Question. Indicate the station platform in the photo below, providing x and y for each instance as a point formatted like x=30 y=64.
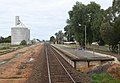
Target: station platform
x=85 y=55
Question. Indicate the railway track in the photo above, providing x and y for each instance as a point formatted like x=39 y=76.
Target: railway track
x=56 y=69
x=51 y=67
x=59 y=70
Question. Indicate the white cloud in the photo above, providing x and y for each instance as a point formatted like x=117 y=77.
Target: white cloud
x=43 y=17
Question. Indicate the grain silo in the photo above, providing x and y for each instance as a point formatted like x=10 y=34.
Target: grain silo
x=19 y=32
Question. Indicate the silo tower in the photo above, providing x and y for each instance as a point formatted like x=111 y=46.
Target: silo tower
x=19 y=32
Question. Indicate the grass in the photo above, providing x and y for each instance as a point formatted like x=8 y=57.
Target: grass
x=100 y=48
x=104 y=78
x=5 y=46
x=105 y=48
x=118 y=68
x=97 y=48
x=73 y=45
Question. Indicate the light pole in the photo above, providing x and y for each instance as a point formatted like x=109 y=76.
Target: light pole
x=93 y=46
x=69 y=36
x=76 y=48
x=119 y=48
x=85 y=34
x=85 y=37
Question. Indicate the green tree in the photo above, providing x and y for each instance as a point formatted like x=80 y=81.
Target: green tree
x=110 y=29
x=69 y=33
x=116 y=8
x=91 y=16
x=59 y=37
x=5 y=40
x=23 y=42
x=102 y=25
x=108 y=33
x=117 y=30
x=52 y=39
x=77 y=16
x=1 y=39
x=38 y=40
x=113 y=12
x=95 y=18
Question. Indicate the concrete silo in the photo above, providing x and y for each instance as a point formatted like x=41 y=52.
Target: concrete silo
x=19 y=32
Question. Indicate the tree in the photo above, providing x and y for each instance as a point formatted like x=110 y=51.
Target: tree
x=1 y=39
x=69 y=33
x=116 y=8
x=108 y=33
x=103 y=26
x=117 y=30
x=113 y=12
x=91 y=16
x=110 y=29
x=95 y=19
x=5 y=40
x=23 y=42
x=59 y=37
x=77 y=16
x=38 y=40
x=52 y=39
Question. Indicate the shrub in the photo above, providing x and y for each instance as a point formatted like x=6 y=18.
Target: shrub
x=104 y=78
x=23 y=42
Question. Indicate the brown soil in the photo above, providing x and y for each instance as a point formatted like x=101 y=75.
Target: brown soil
x=114 y=70
x=17 y=70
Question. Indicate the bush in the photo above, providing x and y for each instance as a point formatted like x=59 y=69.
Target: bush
x=104 y=78
x=4 y=48
x=23 y=42
x=119 y=59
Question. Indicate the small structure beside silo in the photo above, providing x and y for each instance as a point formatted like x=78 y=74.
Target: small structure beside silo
x=19 y=32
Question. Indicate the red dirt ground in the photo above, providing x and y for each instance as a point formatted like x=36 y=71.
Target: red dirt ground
x=114 y=70
x=18 y=69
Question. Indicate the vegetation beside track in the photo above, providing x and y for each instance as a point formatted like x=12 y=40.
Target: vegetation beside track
x=104 y=78
x=7 y=47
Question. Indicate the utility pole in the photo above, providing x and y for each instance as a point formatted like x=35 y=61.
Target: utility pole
x=119 y=48
x=85 y=34
x=85 y=37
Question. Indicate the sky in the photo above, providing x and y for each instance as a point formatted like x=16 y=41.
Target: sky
x=43 y=17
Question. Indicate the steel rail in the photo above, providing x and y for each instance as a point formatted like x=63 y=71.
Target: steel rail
x=48 y=66
x=64 y=67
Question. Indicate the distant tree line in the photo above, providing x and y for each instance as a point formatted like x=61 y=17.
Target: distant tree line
x=59 y=37
x=102 y=26
x=5 y=39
